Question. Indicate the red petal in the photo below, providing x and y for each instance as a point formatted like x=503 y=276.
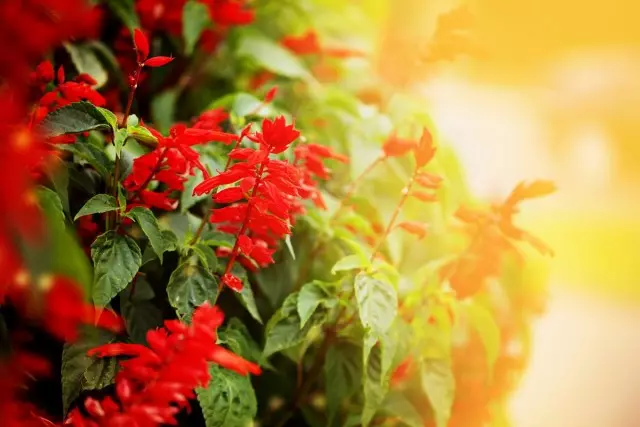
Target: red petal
x=416 y=228
x=141 y=43
x=426 y=150
x=245 y=244
x=232 y=282
x=158 y=61
x=271 y=94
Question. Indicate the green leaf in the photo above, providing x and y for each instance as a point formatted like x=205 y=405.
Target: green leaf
x=132 y=120
x=138 y=310
x=287 y=242
x=342 y=375
x=439 y=384
x=92 y=155
x=149 y=225
x=284 y=329
x=170 y=240
x=141 y=133
x=99 y=203
x=86 y=61
x=189 y=287
x=116 y=261
x=163 y=109
x=375 y=384
x=74 y=118
x=237 y=338
x=122 y=200
x=310 y=297
x=270 y=55
x=397 y=406
x=51 y=204
x=248 y=301
x=241 y=104
x=229 y=400
x=125 y=10
x=350 y=262
x=377 y=303
x=59 y=177
x=195 y=18
x=484 y=323
x=206 y=255
x=80 y=372
x=119 y=140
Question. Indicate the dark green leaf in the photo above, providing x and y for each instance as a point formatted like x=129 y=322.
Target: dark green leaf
x=270 y=55
x=237 y=338
x=170 y=240
x=92 y=155
x=189 y=287
x=86 y=61
x=283 y=330
x=116 y=260
x=439 y=385
x=248 y=301
x=125 y=10
x=195 y=18
x=377 y=303
x=74 y=118
x=139 y=312
x=397 y=406
x=81 y=372
x=149 y=225
x=342 y=375
x=99 y=203
x=229 y=400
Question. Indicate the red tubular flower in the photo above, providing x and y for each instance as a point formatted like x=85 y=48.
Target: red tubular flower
x=157 y=381
x=141 y=44
x=396 y=147
x=262 y=194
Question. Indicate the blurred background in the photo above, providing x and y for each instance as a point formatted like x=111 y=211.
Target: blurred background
x=550 y=90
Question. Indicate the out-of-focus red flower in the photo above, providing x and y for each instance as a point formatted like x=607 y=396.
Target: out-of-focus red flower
x=158 y=381
x=396 y=147
x=305 y=44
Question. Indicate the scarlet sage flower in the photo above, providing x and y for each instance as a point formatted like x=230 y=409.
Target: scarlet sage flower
x=157 y=381
x=396 y=147
x=261 y=196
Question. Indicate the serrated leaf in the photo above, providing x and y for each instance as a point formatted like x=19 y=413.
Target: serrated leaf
x=149 y=225
x=439 y=384
x=125 y=10
x=189 y=287
x=195 y=18
x=74 y=118
x=119 y=140
x=350 y=262
x=397 y=406
x=116 y=261
x=484 y=323
x=283 y=330
x=310 y=297
x=229 y=400
x=99 y=203
x=80 y=372
x=270 y=55
x=140 y=314
x=377 y=303
x=141 y=133
x=86 y=61
x=342 y=375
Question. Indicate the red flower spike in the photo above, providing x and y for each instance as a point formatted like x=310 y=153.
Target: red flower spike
x=158 y=61
x=418 y=229
x=232 y=282
x=141 y=44
x=425 y=150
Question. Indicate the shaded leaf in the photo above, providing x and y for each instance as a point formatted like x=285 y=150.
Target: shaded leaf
x=310 y=297
x=99 y=203
x=439 y=385
x=189 y=287
x=342 y=375
x=125 y=10
x=139 y=312
x=86 y=61
x=149 y=225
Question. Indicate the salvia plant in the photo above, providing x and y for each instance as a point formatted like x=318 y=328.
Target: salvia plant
x=210 y=217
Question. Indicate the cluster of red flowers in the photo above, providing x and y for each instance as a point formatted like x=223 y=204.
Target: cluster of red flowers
x=172 y=161
x=157 y=381
x=494 y=234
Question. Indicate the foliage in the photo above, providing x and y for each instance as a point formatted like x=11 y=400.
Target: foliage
x=251 y=172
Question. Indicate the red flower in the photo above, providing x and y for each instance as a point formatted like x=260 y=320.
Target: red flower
x=305 y=44
x=158 y=61
x=141 y=44
x=396 y=147
x=157 y=381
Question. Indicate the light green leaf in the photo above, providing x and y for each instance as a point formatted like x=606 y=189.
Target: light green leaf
x=74 y=118
x=195 y=18
x=377 y=303
x=125 y=10
x=396 y=405
x=189 y=287
x=287 y=241
x=122 y=200
x=310 y=297
x=375 y=385
x=86 y=61
x=350 y=262
x=119 y=139
x=248 y=301
x=229 y=400
x=163 y=107
x=141 y=133
x=206 y=255
x=484 y=323
x=50 y=203
x=80 y=372
x=342 y=375
x=149 y=225
x=283 y=330
x=439 y=384
x=99 y=203
x=270 y=55
x=132 y=120
x=242 y=104
x=116 y=260
x=59 y=177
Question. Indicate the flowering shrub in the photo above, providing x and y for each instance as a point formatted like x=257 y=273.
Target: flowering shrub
x=203 y=225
